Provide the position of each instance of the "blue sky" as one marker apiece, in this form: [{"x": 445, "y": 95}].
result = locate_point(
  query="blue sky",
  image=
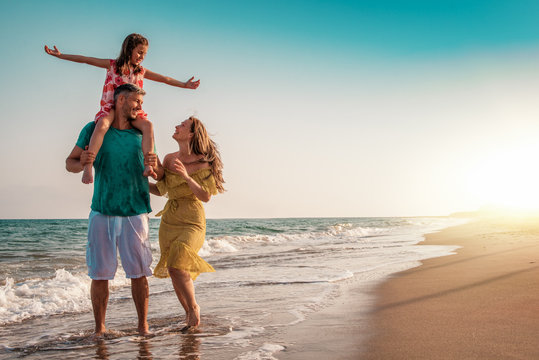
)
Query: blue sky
[{"x": 321, "y": 108}]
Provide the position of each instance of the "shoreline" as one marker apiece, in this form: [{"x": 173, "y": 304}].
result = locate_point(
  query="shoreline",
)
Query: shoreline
[{"x": 480, "y": 303}]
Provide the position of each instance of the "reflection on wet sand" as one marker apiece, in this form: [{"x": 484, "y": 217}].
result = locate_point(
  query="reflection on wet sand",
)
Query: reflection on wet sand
[
  {"x": 144, "y": 352},
  {"x": 101, "y": 351},
  {"x": 189, "y": 347}
]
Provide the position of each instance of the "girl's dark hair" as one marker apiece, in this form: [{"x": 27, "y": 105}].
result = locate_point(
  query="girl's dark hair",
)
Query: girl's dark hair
[{"x": 129, "y": 44}]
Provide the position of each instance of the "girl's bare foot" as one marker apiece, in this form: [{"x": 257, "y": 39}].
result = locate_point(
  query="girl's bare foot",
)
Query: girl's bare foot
[{"x": 87, "y": 176}]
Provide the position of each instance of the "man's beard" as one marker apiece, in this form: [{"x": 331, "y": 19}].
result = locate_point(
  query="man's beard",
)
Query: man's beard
[{"x": 130, "y": 117}]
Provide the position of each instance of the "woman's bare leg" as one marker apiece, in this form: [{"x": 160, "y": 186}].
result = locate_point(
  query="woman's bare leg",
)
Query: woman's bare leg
[
  {"x": 184, "y": 287},
  {"x": 146, "y": 127},
  {"x": 180, "y": 296},
  {"x": 101, "y": 128}
]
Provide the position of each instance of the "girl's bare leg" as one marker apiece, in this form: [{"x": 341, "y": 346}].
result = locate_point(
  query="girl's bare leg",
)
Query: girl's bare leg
[
  {"x": 146, "y": 127},
  {"x": 184, "y": 288},
  {"x": 101, "y": 128}
]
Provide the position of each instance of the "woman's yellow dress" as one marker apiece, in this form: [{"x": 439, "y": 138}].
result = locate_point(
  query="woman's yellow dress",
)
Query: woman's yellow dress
[{"x": 183, "y": 224}]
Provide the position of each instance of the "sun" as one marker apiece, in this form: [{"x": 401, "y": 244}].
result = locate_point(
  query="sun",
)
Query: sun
[{"x": 508, "y": 179}]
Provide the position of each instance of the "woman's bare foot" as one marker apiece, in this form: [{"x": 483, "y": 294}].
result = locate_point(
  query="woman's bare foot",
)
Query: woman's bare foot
[
  {"x": 185, "y": 329},
  {"x": 87, "y": 176},
  {"x": 193, "y": 316},
  {"x": 148, "y": 171}
]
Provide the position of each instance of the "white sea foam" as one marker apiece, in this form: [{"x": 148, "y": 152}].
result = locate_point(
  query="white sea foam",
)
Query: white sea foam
[
  {"x": 352, "y": 230},
  {"x": 265, "y": 352},
  {"x": 64, "y": 293},
  {"x": 241, "y": 336},
  {"x": 231, "y": 244}
]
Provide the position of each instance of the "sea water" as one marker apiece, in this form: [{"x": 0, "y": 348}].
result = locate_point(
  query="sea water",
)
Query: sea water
[{"x": 270, "y": 274}]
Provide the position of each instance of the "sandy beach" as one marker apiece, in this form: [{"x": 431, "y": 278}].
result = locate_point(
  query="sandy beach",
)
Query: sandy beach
[{"x": 481, "y": 303}]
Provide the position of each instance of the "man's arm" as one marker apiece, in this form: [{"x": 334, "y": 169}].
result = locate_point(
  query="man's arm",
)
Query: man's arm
[{"x": 78, "y": 158}]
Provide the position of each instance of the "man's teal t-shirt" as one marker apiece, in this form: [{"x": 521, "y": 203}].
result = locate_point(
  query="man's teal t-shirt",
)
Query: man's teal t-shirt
[{"x": 120, "y": 189}]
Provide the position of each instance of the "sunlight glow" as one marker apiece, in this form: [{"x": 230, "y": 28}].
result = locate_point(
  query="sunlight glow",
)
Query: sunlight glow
[{"x": 508, "y": 179}]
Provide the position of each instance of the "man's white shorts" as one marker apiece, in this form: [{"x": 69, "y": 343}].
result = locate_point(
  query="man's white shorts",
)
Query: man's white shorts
[{"x": 107, "y": 235}]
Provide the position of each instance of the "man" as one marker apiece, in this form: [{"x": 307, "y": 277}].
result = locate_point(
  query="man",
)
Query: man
[{"x": 120, "y": 207}]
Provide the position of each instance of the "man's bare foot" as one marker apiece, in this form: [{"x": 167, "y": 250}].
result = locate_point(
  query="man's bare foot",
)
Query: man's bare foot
[
  {"x": 87, "y": 176},
  {"x": 97, "y": 336},
  {"x": 193, "y": 316},
  {"x": 146, "y": 333},
  {"x": 144, "y": 329},
  {"x": 148, "y": 171}
]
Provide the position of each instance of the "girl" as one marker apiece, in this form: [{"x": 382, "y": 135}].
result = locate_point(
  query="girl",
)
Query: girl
[
  {"x": 191, "y": 175},
  {"x": 125, "y": 69}
]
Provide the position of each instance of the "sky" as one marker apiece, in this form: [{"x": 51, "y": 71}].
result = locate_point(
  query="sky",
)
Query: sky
[{"x": 320, "y": 108}]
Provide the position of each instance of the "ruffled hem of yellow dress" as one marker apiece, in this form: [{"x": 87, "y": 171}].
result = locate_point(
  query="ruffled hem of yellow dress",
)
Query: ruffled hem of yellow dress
[{"x": 182, "y": 257}]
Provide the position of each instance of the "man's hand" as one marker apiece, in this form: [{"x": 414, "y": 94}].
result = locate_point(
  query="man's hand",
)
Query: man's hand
[{"x": 87, "y": 157}]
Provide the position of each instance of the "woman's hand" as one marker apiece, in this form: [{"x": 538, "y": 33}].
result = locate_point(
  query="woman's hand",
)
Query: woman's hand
[
  {"x": 54, "y": 52},
  {"x": 177, "y": 166}
]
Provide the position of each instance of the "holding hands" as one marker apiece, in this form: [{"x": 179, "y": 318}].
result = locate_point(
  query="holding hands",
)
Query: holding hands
[
  {"x": 87, "y": 157},
  {"x": 150, "y": 159}
]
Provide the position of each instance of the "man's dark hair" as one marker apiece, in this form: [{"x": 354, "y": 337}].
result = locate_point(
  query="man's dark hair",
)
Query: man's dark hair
[{"x": 127, "y": 88}]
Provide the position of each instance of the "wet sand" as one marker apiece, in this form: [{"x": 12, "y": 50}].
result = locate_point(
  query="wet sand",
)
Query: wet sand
[{"x": 482, "y": 303}]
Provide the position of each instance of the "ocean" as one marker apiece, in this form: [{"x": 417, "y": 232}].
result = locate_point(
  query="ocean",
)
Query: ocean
[{"x": 270, "y": 274}]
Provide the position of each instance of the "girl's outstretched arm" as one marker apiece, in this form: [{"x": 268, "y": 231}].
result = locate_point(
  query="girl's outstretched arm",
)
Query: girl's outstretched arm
[
  {"x": 189, "y": 84},
  {"x": 102, "y": 63}
]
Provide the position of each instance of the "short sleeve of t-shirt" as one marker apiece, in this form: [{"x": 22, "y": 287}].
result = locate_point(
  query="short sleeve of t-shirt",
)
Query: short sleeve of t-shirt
[{"x": 85, "y": 135}]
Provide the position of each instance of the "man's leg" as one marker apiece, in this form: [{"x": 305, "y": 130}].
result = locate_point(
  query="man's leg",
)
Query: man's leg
[
  {"x": 136, "y": 255},
  {"x": 102, "y": 263},
  {"x": 99, "y": 292},
  {"x": 141, "y": 294}
]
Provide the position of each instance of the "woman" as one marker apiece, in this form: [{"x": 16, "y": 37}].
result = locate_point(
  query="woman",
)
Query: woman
[{"x": 191, "y": 175}]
